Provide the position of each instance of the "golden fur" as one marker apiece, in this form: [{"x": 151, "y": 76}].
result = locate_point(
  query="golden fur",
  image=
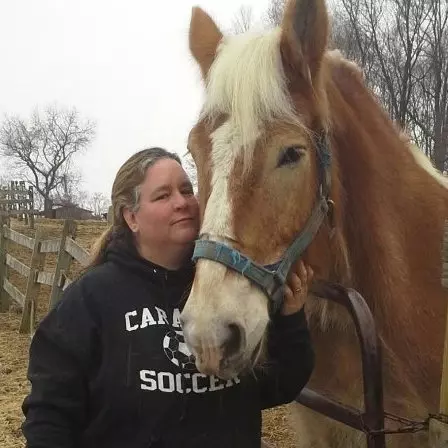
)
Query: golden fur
[{"x": 390, "y": 207}]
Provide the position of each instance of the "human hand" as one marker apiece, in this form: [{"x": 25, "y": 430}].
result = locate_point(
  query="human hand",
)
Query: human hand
[{"x": 296, "y": 289}]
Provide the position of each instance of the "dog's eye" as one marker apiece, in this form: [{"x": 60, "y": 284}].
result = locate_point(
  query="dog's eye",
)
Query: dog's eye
[{"x": 290, "y": 155}]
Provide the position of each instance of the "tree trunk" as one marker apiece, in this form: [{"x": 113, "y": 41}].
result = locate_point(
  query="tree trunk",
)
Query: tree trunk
[{"x": 48, "y": 205}]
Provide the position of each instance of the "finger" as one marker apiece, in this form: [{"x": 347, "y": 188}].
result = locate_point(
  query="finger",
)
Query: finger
[
  {"x": 289, "y": 295},
  {"x": 310, "y": 273},
  {"x": 296, "y": 283},
  {"x": 294, "y": 294},
  {"x": 302, "y": 272}
]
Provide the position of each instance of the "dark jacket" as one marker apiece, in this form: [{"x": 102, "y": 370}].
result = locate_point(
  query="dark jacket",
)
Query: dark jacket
[{"x": 109, "y": 368}]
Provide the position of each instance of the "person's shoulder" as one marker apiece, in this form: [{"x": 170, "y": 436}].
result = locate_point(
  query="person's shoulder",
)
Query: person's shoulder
[
  {"x": 83, "y": 299},
  {"x": 91, "y": 283},
  {"x": 103, "y": 272},
  {"x": 78, "y": 301}
]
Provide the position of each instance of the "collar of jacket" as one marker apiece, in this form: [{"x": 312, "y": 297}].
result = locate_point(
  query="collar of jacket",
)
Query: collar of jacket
[{"x": 124, "y": 253}]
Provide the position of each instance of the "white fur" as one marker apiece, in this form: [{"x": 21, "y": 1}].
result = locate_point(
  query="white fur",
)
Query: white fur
[
  {"x": 252, "y": 311},
  {"x": 247, "y": 83},
  {"x": 217, "y": 216},
  {"x": 427, "y": 165}
]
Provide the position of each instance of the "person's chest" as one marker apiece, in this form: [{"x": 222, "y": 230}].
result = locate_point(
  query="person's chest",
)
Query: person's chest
[{"x": 144, "y": 354}]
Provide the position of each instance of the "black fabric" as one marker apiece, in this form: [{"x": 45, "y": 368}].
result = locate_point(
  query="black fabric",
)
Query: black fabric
[{"x": 103, "y": 375}]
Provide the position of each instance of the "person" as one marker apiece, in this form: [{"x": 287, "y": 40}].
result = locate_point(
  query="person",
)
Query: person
[{"x": 108, "y": 365}]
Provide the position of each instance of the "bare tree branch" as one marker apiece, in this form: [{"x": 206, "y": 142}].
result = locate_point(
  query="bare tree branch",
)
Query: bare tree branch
[
  {"x": 274, "y": 13},
  {"x": 98, "y": 203},
  {"x": 44, "y": 147},
  {"x": 243, "y": 20},
  {"x": 402, "y": 47}
]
